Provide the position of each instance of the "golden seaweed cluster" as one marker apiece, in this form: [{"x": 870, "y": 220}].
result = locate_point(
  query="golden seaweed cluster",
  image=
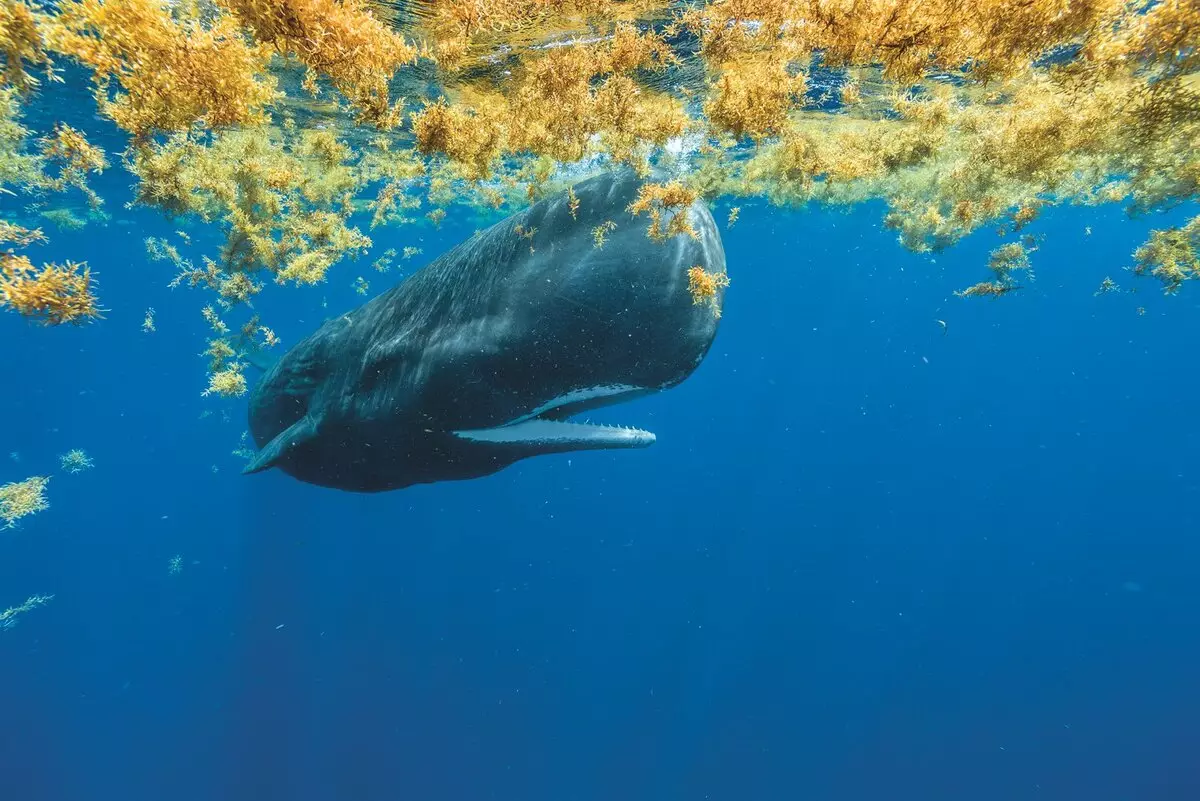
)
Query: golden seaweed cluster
[
  {"x": 52, "y": 293},
  {"x": 63, "y": 159},
  {"x": 22, "y": 498},
  {"x": 704, "y": 286},
  {"x": 669, "y": 201},
  {"x": 279, "y": 121},
  {"x": 1004, "y": 262},
  {"x": 1172, "y": 255},
  {"x": 9, "y": 617},
  {"x": 76, "y": 461}
]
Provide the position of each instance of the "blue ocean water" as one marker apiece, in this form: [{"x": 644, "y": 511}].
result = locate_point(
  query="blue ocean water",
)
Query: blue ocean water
[{"x": 867, "y": 559}]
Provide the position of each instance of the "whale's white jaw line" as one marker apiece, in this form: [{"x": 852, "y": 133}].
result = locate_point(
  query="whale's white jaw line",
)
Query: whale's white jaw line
[
  {"x": 552, "y": 436},
  {"x": 545, "y": 431}
]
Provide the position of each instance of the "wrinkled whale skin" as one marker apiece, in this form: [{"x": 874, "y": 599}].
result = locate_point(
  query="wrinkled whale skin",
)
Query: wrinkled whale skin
[{"x": 472, "y": 362}]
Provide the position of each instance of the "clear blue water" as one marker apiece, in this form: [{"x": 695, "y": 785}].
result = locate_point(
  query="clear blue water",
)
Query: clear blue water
[{"x": 865, "y": 560}]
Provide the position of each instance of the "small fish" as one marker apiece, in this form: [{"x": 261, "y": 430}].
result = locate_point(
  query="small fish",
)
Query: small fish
[{"x": 945, "y": 327}]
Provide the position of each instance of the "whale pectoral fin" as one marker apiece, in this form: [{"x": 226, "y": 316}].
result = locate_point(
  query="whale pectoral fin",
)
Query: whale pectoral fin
[
  {"x": 259, "y": 360},
  {"x": 538, "y": 436},
  {"x": 277, "y": 449}
]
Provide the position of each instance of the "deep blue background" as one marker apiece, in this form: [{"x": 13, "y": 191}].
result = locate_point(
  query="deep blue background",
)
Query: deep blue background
[{"x": 865, "y": 560}]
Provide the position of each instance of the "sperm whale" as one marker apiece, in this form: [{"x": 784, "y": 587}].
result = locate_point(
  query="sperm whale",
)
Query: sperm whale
[{"x": 480, "y": 358}]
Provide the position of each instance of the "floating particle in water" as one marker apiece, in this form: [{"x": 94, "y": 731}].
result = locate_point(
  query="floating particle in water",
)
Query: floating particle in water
[
  {"x": 148, "y": 321},
  {"x": 175, "y": 565}
]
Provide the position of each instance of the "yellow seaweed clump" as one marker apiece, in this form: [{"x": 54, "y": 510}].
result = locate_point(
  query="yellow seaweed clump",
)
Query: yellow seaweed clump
[
  {"x": 600, "y": 233},
  {"x": 22, "y": 498},
  {"x": 471, "y": 139},
  {"x": 18, "y": 166},
  {"x": 667, "y": 202},
  {"x": 226, "y": 353},
  {"x": 704, "y": 287},
  {"x": 753, "y": 97},
  {"x": 8, "y": 618},
  {"x": 460, "y": 29},
  {"x": 563, "y": 103},
  {"x": 69, "y": 148},
  {"x": 572, "y": 93},
  {"x": 1007, "y": 258},
  {"x": 160, "y": 66},
  {"x": 20, "y": 43},
  {"x": 1171, "y": 255},
  {"x": 986, "y": 289},
  {"x": 53, "y": 294},
  {"x": 225, "y": 371},
  {"x": 283, "y": 200},
  {"x": 229, "y": 382},
  {"x": 907, "y": 38},
  {"x": 18, "y": 235},
  {"x": 76, "y": 461},
  {"x": 337, "y": 38},
  {"x": 1003, "y": 261}
]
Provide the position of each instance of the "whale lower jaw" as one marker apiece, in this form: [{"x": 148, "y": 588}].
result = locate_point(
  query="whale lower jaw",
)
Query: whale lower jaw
[
  {"x": 554, "y": 436},
  {"x": 545, "y": 429}
]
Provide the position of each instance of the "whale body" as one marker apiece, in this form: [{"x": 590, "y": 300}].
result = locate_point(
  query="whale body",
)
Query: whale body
[{"x": 477, "y": 360}]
